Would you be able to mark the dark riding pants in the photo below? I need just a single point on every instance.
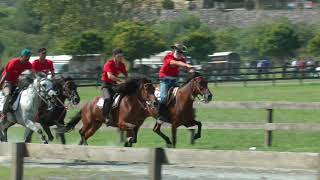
(107, 94)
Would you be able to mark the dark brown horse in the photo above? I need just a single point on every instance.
(137, 103)
(67, 89)
(180, 109)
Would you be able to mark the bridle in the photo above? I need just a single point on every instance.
(46, 98)
(145, 103)
(197, 89)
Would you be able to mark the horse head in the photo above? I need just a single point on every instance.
(44, 87)
(70, 91)
(200, 87)
(147, 94)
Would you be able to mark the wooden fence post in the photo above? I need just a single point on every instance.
(156, 159)
(192, 132)
(97, 80)
(18, 153)
(268, 134)
(273, 79)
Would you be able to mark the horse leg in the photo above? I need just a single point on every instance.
(198, 134)
(93, 128)
(128, 142)
(62, 138)
(174, 136)
(81, 137)
(32, 126)
(135, 137)
(28, 135)
(6, 126)
(157, 129)
(48, 131)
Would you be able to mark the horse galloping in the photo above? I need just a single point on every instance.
(137, 103)
(180, 109)
(66, 89)
(28, 103)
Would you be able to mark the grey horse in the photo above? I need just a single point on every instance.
(28, 103)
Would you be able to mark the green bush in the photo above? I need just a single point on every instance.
(167, 4)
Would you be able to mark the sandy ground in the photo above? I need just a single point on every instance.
(115, 171)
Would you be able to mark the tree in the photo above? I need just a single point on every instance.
(279, 41)
(225, 41)
(170, 29)
(90, 42)
(199, 44)
(314, 45)
(136, 40)
(66, 18)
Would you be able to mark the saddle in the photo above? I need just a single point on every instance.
(115, 101)
(171, 97)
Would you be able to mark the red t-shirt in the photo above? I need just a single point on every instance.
(14, 68)
(167, 69)
(110, 66)
(45, 66)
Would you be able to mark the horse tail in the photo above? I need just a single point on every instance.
(74, 121)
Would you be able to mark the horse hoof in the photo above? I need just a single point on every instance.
(130, 140)
(45, 142)
(197, 136)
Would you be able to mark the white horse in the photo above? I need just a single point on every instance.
(27, 105)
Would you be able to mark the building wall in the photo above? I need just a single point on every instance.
(239, 18)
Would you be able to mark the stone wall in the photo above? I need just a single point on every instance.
(238, 18)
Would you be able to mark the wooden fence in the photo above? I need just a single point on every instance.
(244, 75)
(156, 157)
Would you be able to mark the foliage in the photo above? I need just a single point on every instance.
(199, 44)
(314, 45)
(90, 42)
(136, 39)
(185, 23)
(66, 18)
(279, 41)
(168, 4)
(225, 41)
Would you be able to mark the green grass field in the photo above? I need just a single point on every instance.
(225, 139)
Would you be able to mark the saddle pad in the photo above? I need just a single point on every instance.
(157, 92)
(1, 100)
(100, 103)
(114, 104)
(116, 101)
(16, 102)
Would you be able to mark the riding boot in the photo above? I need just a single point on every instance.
(162, 114)
(6, 105)
(107, 111)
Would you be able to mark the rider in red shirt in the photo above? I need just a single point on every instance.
(168, 75)
(10, 76)
(42, 64)
(111, 70)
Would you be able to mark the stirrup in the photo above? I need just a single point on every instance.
(108, 121)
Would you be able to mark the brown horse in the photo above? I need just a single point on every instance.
(137, 103)
(180, 109)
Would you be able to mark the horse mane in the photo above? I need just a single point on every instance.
(131, 86)
(191, 76)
